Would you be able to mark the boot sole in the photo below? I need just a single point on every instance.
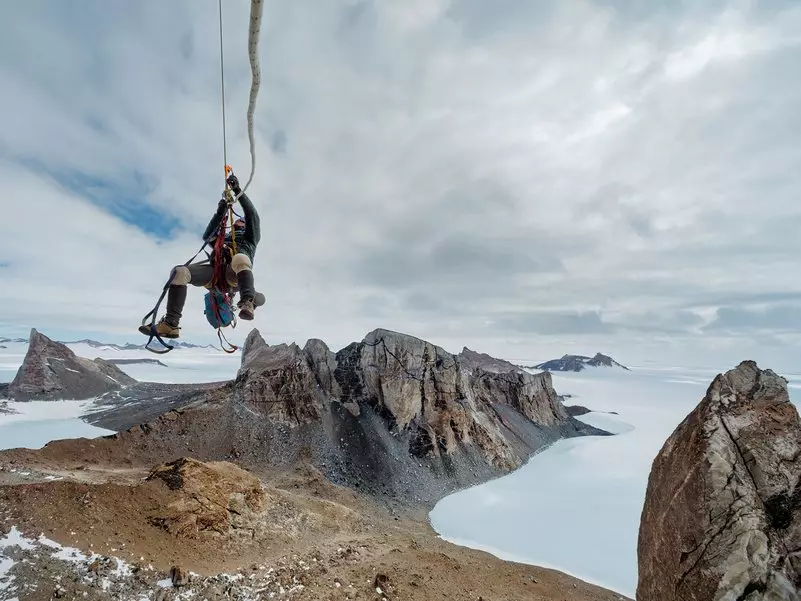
(147, 332)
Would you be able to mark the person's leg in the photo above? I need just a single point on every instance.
(195, 274)
(243, 268)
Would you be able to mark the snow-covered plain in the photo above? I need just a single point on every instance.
(576, 506)
(183, 365)
(38, 422)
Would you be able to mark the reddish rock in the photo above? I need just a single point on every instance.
(722, 513)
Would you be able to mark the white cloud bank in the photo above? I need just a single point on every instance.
(546, 178)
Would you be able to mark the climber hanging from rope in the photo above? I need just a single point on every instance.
(234, 273)
(230, 267)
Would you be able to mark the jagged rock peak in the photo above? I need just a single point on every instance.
(722, 513)
(324, 365)
(253, 342)
(50, 370)
(472, 359)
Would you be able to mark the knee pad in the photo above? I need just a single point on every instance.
(241, 262)
(182, 276)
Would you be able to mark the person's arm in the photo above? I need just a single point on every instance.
(252, 224)
(215, 221)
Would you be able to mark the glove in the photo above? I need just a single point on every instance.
(233, 181)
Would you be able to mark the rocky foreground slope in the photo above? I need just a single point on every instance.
(722, 514)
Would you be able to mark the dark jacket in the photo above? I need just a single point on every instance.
(246, 241)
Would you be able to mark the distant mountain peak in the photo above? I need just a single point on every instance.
(51, 370)
(579, 363)
(128, 346)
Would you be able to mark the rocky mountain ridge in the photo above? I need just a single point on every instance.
(392, 414)
(417, 387)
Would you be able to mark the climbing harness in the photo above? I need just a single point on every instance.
(218, 296)
(219, 280)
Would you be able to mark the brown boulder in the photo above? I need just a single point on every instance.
(722, 514)
(212, 497)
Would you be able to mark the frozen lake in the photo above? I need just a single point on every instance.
(576, 506)
(38, 422)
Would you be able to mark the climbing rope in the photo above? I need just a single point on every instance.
(256, 7)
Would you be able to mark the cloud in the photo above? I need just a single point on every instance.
(776, 318)
(497, 175)
(555, 323)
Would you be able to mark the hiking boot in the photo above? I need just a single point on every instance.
(246, 309)
(246, 293)
(163, 329)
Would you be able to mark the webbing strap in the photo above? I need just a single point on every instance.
(154, 312)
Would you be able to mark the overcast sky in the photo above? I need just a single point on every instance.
(524, 178)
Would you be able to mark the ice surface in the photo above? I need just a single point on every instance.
(36, 423)
(576, 506)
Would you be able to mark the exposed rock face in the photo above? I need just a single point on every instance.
(278, 382)
(576, 410)
(51, 371)
(324, 364)
(533, 396)
(214, 497)
(722, 514)
(381, 410)
(579, 362)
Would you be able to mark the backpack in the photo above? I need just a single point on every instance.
(219, 310)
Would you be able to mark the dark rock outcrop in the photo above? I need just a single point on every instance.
(722, 514)
(52, 371)
(576, 410)
(578, 363)
(136, 362)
